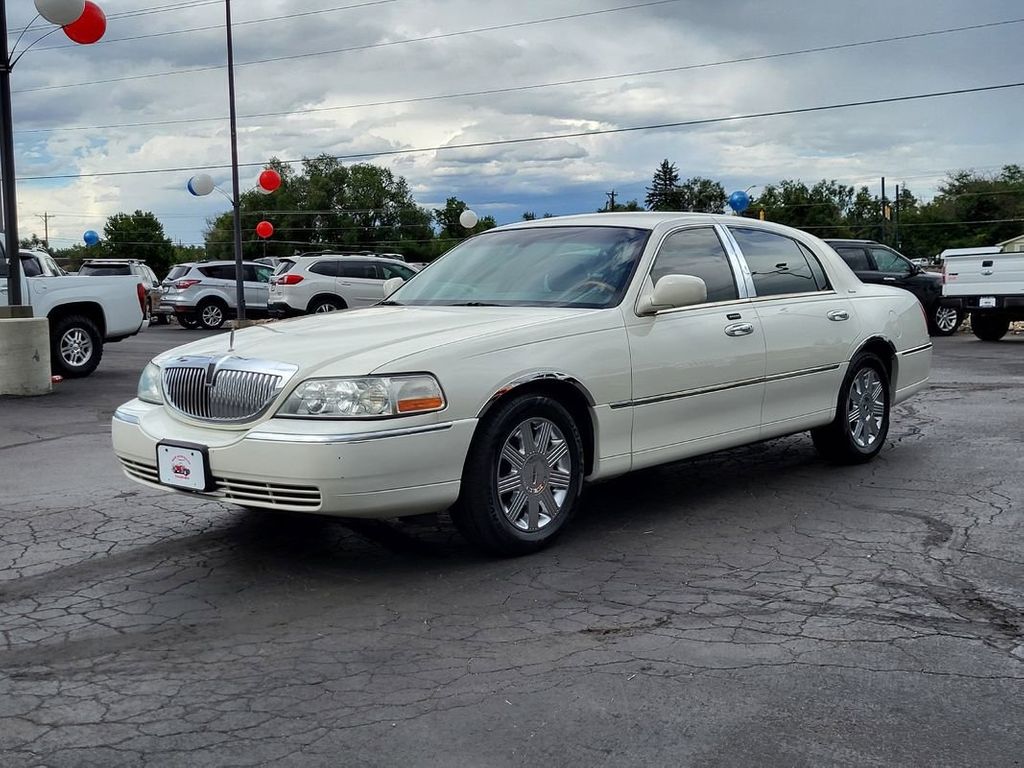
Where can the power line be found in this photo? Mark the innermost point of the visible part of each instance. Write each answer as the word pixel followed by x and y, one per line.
pixel 557 136
pixel 292 57
pixel 220 27
pixel 536 86
pixel 127 14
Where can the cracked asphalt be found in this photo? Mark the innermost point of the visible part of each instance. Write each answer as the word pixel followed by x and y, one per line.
pixel 754 607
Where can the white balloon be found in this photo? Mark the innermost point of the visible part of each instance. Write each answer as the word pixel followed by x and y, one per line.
pixel 61 12
pixel 468 219
pixel 201 184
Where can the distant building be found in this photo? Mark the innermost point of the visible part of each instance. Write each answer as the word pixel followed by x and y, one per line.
pixel 1013 245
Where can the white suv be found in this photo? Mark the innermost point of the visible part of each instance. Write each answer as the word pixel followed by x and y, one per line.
pixel 203 295
pixel 324 282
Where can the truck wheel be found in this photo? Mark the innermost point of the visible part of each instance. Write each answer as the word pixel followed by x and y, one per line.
pixel 212 314
pixel 989 327
pixel 522 477
pixel 858 432
pixel 75 346
pixel 945 321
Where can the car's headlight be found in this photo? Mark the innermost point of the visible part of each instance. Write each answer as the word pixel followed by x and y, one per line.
pixel 150 388
pixel 365 397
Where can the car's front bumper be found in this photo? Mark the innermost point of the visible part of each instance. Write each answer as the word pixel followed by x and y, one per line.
pixel 343 468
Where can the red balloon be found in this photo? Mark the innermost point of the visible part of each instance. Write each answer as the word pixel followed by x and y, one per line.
pixel 264 229
pixel 89 27
pixel 270 180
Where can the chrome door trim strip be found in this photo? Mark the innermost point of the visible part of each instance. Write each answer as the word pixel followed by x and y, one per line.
pixel 915 350
pixel 350 437
pixel 724 387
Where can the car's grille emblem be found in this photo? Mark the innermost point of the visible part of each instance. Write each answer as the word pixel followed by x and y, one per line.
pixel 223 389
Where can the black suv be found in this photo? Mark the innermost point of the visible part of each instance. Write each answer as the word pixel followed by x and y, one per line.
pixel 877 263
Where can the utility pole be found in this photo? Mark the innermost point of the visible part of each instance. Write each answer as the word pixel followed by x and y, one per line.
pixel 10 205
pixel 896 221
pixel 235 195
pixel 611 200
pixel 883 209
pixel 46 230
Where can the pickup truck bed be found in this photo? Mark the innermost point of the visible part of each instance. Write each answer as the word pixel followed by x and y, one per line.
pixel 990 286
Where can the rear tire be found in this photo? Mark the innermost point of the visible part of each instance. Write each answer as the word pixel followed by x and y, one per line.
pixel 322 304
pixel 858 432
pixel 522 477
pixel 76 346
pixel 212 314
pixel 945 321
pixel 989 327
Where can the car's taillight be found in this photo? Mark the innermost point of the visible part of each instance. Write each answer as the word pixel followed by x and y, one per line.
pixel 141 290
pixel 287 280
pixel 943 273
pixel 181 285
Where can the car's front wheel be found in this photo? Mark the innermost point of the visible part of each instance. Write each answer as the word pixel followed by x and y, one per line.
pixel 946 320
pixel 522 478
pixel 76 346
pixel 858 432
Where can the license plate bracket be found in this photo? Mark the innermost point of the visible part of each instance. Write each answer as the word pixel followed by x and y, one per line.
pixel 987 302
pixel 184 466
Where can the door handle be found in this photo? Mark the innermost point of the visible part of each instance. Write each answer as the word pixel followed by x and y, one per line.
pixel 739 329
pixel 986 271
pixel 889 279
pixel 838 315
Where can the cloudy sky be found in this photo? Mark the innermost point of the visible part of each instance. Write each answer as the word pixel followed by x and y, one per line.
pixel 348 77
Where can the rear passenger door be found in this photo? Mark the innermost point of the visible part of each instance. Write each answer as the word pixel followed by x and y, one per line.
pixel 257 285
pixel 808 329
pixel 359 283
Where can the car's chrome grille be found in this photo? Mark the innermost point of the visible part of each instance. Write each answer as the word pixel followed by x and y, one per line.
pixel 253 493
pixel 225 390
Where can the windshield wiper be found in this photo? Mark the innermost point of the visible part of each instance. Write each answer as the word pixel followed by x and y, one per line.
pixel 474 304
pixel 389 303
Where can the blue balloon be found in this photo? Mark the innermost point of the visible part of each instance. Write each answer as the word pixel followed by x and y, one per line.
pixel 91 237
pixel 739 201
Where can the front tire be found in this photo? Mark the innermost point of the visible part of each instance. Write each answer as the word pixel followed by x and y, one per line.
pixel 858 432
pixel 76 347
pixel 945 320
pixel 989 327
pixel 522 477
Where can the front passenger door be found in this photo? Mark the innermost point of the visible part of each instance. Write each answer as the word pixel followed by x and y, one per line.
pixel 698 371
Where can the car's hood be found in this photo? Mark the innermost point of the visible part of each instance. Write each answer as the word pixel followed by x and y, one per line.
pixel 358 342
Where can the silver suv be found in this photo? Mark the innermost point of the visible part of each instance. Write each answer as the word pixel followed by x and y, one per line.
pixel 202 295
pixel 324 282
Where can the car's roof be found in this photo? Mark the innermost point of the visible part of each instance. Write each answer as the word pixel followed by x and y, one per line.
pixel 102 260
pixel 305 256
pixel 633 219
pixel 850 240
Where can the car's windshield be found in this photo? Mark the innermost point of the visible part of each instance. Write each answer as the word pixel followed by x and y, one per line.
pixel 542 266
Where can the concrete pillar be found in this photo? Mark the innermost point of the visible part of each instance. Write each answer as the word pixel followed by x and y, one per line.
pixel 25 356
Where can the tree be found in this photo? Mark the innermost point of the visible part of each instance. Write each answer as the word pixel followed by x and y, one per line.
pixel 662 195
pixel 138 235
pixel 629 205
pixel 451 229
pixel 35 243
pixel 701 195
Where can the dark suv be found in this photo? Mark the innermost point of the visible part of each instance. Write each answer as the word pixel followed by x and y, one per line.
pixel 877 263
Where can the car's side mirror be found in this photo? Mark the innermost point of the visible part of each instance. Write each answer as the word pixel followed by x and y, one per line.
pixel 392 284
pixel 672 292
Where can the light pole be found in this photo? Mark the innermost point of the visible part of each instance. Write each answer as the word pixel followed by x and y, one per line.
pixel 235 194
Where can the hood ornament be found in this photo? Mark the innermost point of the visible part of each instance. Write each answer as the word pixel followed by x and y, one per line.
pixel 231 341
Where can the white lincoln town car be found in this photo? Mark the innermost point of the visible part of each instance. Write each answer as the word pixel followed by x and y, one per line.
pixel 528 360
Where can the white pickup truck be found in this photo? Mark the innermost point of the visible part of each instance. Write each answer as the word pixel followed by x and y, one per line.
pixel 84 312
pixel 987 283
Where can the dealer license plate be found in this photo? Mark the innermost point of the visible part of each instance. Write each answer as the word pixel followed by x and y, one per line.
pixel 183 466
pixel 987 302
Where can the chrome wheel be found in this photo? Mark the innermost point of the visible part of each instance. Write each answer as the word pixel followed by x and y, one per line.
pixel 212 316
pixel 325 307
pixel 866 408
pixel 75 347
pixel 947 319
pixel 533 475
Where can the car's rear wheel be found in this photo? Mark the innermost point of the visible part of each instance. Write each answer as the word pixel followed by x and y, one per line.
pixel 858 432
pixel 322 304
pixel 76 346
pixel 212 314
pixel 522 478
pixel 945 321
pixel 989 327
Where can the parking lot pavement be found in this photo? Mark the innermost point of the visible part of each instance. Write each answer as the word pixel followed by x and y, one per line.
pixel 755 607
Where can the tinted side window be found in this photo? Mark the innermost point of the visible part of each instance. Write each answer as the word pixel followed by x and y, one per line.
pixel 327 268
pixel 697 252
pixel 177 272
pixel 30 267
pixel 105 270
pixel 359 269
pixel 816 269
pixel 889 261
pixel 855 257
pixel 776 263
pixel 390 270
pixel 220 272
